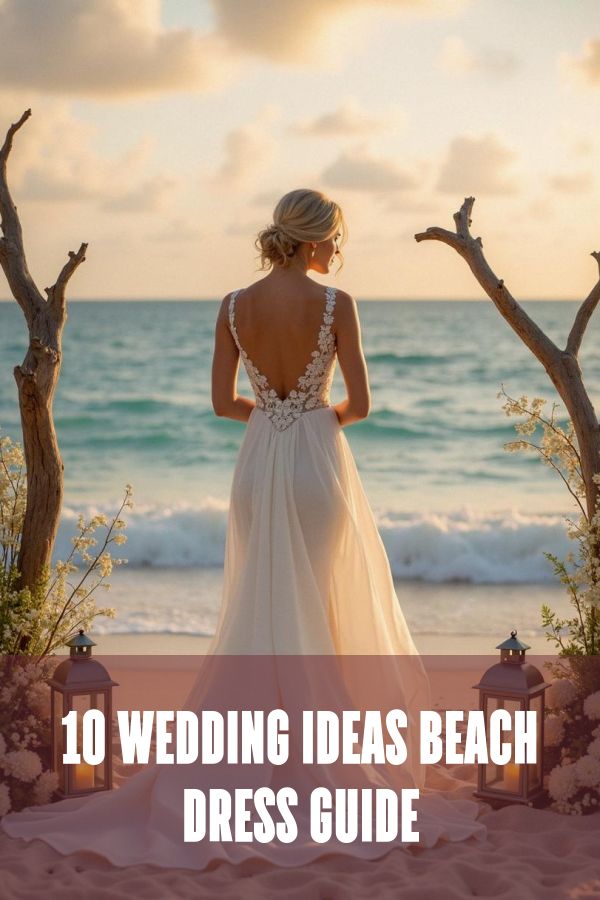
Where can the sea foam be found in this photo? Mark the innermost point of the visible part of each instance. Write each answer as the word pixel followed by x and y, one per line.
pixel 463 545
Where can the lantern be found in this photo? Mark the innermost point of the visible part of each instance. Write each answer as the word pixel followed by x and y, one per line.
pixel 80 683
pixel 512 684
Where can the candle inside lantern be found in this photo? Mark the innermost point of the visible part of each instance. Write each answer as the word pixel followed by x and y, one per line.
pixel 83 776
pixel 512 775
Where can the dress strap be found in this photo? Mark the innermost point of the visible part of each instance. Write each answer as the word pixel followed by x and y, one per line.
pixel 232 327
pixel 325 331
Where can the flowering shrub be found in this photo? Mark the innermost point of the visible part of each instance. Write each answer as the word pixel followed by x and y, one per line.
pixel 25 776
pixel 37 621
pixel 34 622
pixel 572 737
pixel 578 635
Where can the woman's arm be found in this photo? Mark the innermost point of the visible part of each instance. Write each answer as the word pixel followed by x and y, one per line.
pixel 352 362
pixel 226 361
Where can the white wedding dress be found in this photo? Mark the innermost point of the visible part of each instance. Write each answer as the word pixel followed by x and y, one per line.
pixel 307 587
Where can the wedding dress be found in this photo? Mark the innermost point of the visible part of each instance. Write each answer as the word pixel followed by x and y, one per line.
pixel 309 594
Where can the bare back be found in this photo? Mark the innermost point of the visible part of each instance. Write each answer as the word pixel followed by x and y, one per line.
pixel 289 334
pixel 279 329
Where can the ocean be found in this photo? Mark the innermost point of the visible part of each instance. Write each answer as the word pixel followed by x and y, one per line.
pixel 453 507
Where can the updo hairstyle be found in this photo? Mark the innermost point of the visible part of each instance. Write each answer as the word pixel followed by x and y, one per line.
pixel 300 216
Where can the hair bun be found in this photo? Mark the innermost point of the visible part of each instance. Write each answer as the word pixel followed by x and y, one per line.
pixel 276 245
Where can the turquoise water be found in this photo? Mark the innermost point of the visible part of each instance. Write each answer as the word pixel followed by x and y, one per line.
pixel 133 405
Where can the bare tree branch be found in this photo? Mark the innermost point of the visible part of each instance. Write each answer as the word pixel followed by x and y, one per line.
pixel 562 366
pixel 471 249
pixel 12 254
pixel 36 378
pixel 56 294
pixel 584 314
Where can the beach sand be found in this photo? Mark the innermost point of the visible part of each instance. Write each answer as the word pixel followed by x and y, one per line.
pixel 185 644
pixel 528 853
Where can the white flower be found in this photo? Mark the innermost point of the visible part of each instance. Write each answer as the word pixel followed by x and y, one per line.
pixel 594 748
pixel 587 769
pixel 591 706
pixel 562 783
pixel 44 787
pixel 38 697
pixel 554 730
pixel 6 694
pixel 24 765
pixel 561 693
pixel 4 800
pixel 106 564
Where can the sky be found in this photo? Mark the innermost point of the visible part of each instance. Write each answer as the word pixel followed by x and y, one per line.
pixel 163 134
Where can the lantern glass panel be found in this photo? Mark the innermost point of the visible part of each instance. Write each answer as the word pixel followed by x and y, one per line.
pixel 81 703
pixel 492 774
pixel 86 777
pixel 99 701
pixel 508 777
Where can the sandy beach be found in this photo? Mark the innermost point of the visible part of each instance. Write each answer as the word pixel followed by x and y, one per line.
pixel 527 853
pixel 184 644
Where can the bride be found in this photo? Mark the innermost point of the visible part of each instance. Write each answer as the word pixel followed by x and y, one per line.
pixel 305 568
pixel 308 593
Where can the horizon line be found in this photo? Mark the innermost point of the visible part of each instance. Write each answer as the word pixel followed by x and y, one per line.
pixel 371 299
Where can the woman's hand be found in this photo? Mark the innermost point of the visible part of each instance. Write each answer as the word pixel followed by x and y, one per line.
pixel 346 414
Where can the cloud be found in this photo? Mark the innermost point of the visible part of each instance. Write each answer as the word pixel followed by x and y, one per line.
pixel 150 195
pixel 574 182
pixel 177 229
pixel 456 59
pixel 103 48
pixel 54 161
pixel 118 49
pixel 348 118
pixel 247 149
pixel 586 67
pixel 301 32
pixel 477 165
pixel 358 170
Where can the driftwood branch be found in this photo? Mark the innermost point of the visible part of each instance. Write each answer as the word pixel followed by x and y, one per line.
pixel 56 294
pixel 562 366
pixel 471 249
pixel 12 253
pixel 36 378
pixel 584 314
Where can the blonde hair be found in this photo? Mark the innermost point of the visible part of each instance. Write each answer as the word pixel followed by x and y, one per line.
pixel 301 215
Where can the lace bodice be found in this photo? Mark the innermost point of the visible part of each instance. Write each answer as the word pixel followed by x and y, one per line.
pixel 312 389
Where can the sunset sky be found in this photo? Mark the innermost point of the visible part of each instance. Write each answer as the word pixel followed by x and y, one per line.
pixel 164 132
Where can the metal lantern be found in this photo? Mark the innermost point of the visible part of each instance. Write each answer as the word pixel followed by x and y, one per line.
pixel 80 683
pixel 512 684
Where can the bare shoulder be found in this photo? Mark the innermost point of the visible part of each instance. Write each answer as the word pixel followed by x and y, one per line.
pixel 223 314
pixel 345 307
pixel 343 298
pixel 224 305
